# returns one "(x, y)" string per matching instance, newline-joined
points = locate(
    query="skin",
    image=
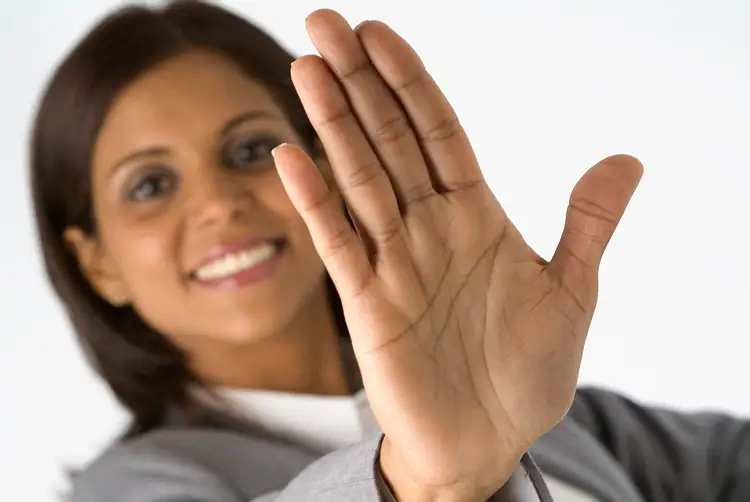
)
(469, 343)
(160, 213)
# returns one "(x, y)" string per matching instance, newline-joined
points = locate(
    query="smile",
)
(237, 267)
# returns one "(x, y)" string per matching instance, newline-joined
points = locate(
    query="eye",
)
(151, 186)
(253, 153)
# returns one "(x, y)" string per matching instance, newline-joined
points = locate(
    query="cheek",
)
(147, 258)
(146, 254)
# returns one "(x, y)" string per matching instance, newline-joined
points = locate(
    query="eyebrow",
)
(158, 151)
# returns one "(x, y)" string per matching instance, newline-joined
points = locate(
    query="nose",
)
(218, 198)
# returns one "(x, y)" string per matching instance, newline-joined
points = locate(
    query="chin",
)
(242, 334)
(256, 323)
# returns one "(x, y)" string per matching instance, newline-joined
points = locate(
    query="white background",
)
(545, 91)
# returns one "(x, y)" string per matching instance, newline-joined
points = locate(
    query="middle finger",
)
(381, 116)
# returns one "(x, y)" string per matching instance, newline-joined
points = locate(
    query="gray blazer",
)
(608, 446)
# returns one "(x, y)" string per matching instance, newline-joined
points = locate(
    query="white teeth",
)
(230, 264)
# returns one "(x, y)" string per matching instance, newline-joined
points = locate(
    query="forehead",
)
(187, 96)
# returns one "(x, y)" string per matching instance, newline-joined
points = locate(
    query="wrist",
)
(406, 488)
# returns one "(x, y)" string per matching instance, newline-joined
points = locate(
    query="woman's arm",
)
(146, 471)
(670, 455)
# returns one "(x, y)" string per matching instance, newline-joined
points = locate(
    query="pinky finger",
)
(337, 243)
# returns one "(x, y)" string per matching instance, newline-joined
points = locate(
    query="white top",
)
(328, 423)
(320, 423)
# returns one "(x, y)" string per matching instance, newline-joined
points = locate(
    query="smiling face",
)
(195, 230)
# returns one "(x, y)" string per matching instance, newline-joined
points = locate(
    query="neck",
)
(305, 359)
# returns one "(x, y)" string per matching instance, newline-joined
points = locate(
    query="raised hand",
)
(469, 343)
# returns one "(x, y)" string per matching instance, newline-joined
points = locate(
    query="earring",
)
(117, 301)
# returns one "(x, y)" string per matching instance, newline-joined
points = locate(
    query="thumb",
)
(596, 206)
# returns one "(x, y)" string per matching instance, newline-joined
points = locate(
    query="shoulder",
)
(177, 464)
(150, 467)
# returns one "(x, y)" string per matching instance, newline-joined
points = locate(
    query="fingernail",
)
(273, 150)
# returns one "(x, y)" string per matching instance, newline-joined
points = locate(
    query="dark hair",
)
(146, 372)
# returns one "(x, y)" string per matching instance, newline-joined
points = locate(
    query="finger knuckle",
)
(412, 83)
(445, 129)
(388, 233)
(593, 210)
(419, 192)
(338, 241)
(341, 117)
(360, 70)
(363, 174)
(391, 131)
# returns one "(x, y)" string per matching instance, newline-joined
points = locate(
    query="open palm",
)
(469, 343)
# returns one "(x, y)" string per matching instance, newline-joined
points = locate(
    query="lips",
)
(238, 264)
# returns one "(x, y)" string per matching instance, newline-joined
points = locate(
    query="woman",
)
(189, 190)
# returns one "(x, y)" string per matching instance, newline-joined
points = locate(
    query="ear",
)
(97, 266)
